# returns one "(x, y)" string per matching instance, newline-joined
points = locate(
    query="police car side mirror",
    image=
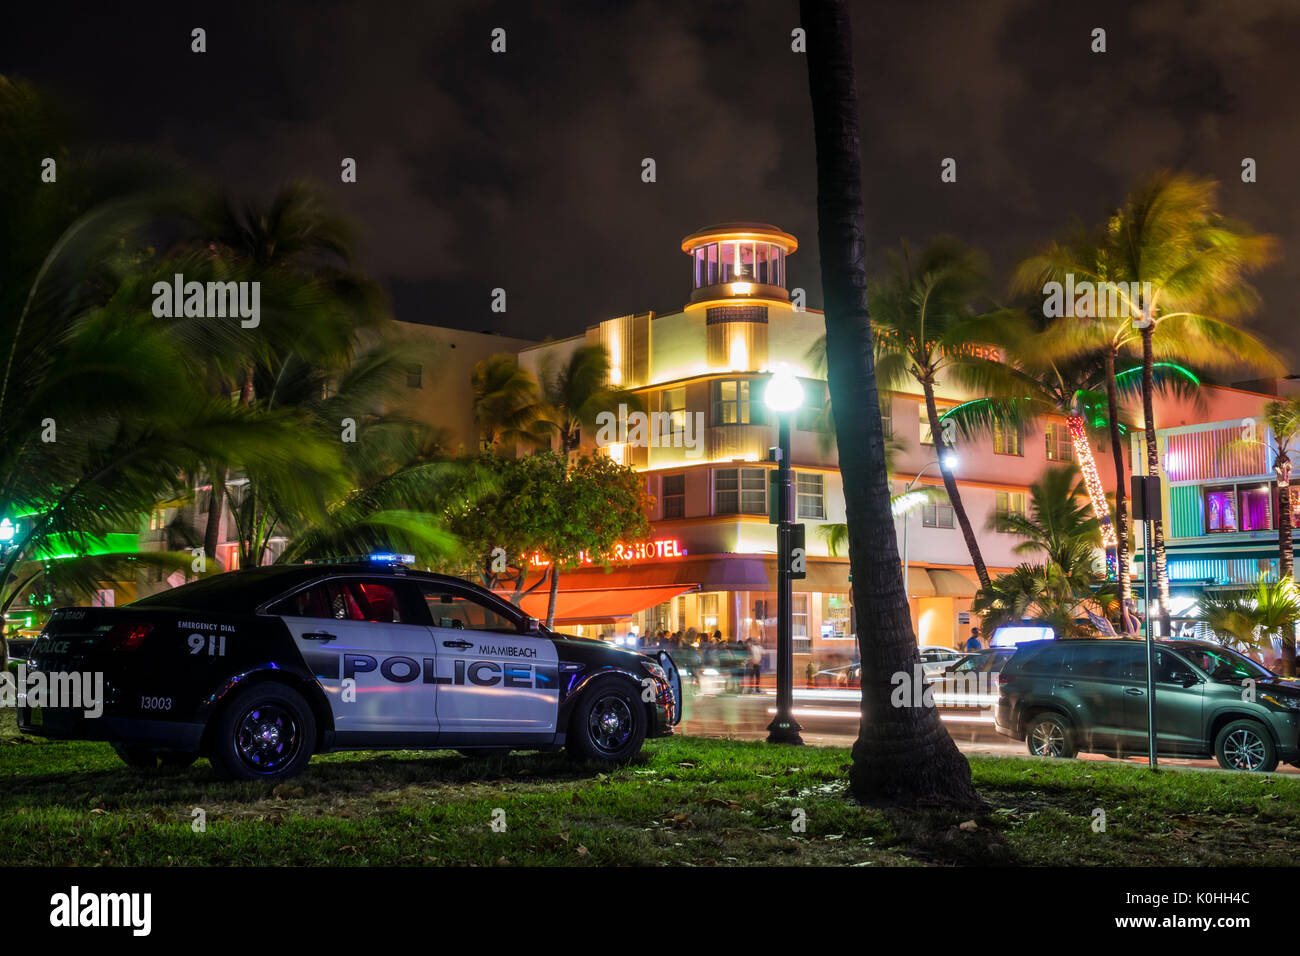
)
(530, 624)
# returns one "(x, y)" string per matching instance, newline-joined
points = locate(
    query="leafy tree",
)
(575, 392)
(561, 516)
(903, 755)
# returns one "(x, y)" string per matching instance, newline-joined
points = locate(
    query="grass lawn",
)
(688, 801)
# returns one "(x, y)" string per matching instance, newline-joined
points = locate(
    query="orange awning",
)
(597, 605)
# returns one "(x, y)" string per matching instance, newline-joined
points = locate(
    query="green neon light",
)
(1176, 367)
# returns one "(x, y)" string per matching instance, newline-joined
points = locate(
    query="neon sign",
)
(651, 549)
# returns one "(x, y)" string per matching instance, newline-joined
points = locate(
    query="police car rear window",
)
(237, 591)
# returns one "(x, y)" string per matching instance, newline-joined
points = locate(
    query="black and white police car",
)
(259, 669)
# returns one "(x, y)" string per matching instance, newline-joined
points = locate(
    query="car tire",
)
(475, 752)
(1245, 745)
(1050, 735)
(608, 723)
(265, 732)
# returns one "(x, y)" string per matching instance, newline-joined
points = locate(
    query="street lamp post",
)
(951, 461)
(784, 395)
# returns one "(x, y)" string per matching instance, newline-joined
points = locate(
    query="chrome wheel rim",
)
(1244, 750)
(1047, 739)
(267, 738)
(610, 723)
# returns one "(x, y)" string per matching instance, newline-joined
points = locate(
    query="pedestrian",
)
(973, 642)
(755, 662)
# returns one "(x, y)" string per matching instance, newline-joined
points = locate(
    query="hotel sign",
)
(634, 552)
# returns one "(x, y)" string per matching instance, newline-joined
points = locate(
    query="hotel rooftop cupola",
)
(739, 260)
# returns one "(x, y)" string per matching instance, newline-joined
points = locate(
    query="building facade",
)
(700, 373)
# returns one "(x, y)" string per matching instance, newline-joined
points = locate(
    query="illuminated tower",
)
(738, 269)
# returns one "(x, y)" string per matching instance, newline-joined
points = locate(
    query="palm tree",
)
(1044, 386)
(75, 327)
(1178, 270)
(302, 254)
(1252, 617)
(507, 404)
(903, 755)
(1057, 517)
(1283, 421)
(925, 329)
(1058, 523)
(574, 392)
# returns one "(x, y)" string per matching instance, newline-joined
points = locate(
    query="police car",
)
(259, 669)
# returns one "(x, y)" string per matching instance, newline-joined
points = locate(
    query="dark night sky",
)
(523, 170)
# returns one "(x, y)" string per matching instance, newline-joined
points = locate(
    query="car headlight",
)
(1289, 703)
(655, 671)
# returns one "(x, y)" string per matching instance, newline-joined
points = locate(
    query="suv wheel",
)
(608, 723)
(1245, 745)
(265, 733)
(1050, 735)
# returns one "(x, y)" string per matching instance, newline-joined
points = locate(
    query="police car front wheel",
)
(609, 722)
(265, 732)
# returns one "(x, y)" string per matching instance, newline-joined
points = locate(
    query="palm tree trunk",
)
(903, 755)
(950, 485)
(216, 502)
(1122, 564)
(1286, 551)
(555, 592)
(1153, 468)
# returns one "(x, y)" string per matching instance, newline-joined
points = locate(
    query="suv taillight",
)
(128, 637)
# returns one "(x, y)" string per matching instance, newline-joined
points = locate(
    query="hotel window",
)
(674, 408)
(1007, 440)
(673, 496)
(1059, 446)
(709, 612)
(1221, 510)
(1009, 503)
(927, 437)
(835, 617)
(887, 415)
(810, 495)
(799, 624)
(157, 519)
(731, 405)
(1257, 509)
(415, 376)
(809, 416)
(936, 514)
(740, 491)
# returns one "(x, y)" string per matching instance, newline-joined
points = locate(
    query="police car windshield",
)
(237, 591)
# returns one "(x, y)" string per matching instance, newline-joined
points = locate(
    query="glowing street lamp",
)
(784, 396)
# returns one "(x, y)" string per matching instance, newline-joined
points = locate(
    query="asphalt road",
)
(829, 719)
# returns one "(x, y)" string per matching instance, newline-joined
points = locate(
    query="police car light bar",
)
(386, 557)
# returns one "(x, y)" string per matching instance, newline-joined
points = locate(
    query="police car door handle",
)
(318, 636)
(461, 644)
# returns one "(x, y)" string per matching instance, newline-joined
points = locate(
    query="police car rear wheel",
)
(609, 722)
(266, 732)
